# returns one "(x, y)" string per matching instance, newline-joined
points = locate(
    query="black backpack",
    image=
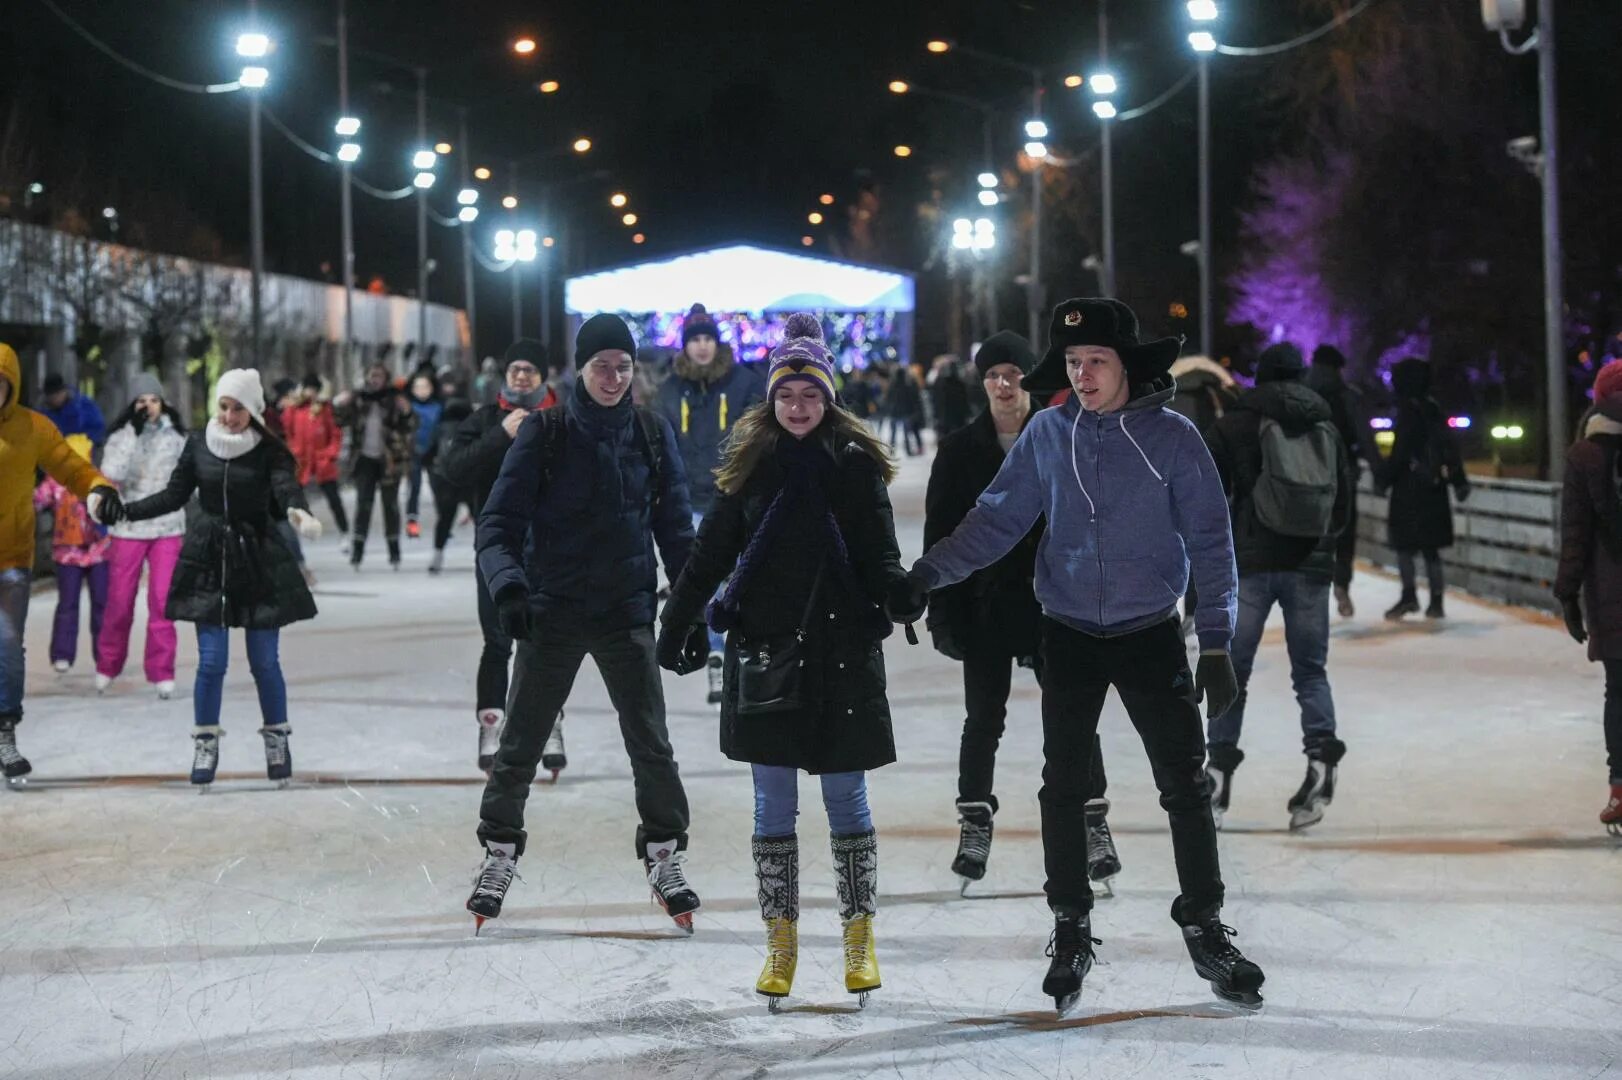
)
(555, 439)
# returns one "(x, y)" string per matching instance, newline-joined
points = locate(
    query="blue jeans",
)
(718, 642)
(777, 801)
(14, 587)
(214, 652)
(1305, 603)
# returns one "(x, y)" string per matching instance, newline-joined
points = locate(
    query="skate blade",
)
(1615, 829)
(1106, 887)
(863, 995)
(1245, 999)
(478, 924)
(685, 921)
(1305, 819)
(1064, 1005)
(774, 1002)
(16, 783)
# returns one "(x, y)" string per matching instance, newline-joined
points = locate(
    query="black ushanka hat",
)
(1106, 323)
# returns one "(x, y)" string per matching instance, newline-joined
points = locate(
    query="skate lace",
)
(1221, 950)
(780, 948)
(275, 748)
(974, 840)
(9, 754)
(1067, 938)
(206, 754)
(495, 876)
(856, 942)
(1099, 840)
(667, 876)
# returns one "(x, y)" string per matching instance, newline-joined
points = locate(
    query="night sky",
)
(721, 121)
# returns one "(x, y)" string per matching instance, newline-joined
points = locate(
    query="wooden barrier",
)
(1507, 539)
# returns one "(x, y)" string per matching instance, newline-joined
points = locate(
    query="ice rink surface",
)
(1455, 914)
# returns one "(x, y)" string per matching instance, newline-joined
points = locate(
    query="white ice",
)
(1455, 915)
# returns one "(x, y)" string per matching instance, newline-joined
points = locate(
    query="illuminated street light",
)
(806, 241)
(638, 239)
(468, 214)
(1202, 10)
(814, 218)
(109, 213)
(252, 46)
(424, 180)
(1202, 41)
(524, 46)
(347, 127)
(988, 180)
(509, 202)
(937, 46)
(1104, 110)
(424, 159)
(550, 86)
(442, 148)
(481, 173)
(1073, 81)
(1036, 129)
(903, 151)
(467, 196)
(617, 200)
(1103, 83)
(349, 153)
(1036, 150)
(826, 200)
(628, 219)
(581, 145)
(988, 198)
(547, 241)
(254, 78)
(898, 86)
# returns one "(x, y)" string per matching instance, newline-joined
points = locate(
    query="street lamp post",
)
(1553, 272)
(422, 220)
(467, 243)
(347, 194)
(254, 46)
(1204, 44)
(1105, 85)
(518, 299)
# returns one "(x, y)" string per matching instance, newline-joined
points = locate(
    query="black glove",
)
(1573, 612)
(512, 611)
(946, 641)
(682, 650)
(906, 599)
(111, 508)
(1215, 683)
(1462, 493)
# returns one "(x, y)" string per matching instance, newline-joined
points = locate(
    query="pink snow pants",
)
(113, 647)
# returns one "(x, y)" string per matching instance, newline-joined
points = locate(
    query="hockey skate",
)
(205, 758)
(166, 689)
(1071, 948)
(777, 881)
(1318, 789)
(973, 843)
(15, 766)
(1216, 960)
(669, 883)
(856, 878)
(278, 755)
(490, 884)
(490, 722)
(1103, 862)
(1219, 769)
(716, 669)
(1610, 817)
(553, 756)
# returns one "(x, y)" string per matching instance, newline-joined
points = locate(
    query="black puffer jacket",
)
(1424, 463)
(1236, 447)
(702, 412)
(995, 610)
(254, 580)
(848, 727)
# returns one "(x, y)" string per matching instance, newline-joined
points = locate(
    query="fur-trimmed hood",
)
(714, 371)
(1189, 369)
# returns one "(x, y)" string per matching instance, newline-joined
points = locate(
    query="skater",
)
(235, 569)
(79, 553)
(429, 407)
(705, 396)
(991, 621)
(315, 439)
(905, 405)
(1132, 499)
(142, 451)
(72, 412)
(802, 531)
(1424, 463)
(470, 462)
(566, 541)
(1284, 468)
(1326, 378)
(382, 427)
(448, 497)
(1588, 583)
(30, 442)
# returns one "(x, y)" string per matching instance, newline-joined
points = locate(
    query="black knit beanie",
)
(599, 333)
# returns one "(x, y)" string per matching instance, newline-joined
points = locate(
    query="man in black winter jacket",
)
(469, 459)
(566, 543)
(992, 619)
(1326, 378)
(1276, 423)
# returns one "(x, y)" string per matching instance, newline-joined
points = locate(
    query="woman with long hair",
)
(382, 428)
(802, 531)
(235, 570)
(143, 448)
(315, 439)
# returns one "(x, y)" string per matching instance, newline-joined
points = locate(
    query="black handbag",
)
(771, 679)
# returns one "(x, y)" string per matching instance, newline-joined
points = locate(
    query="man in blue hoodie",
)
(71, 411)
(1132, 502)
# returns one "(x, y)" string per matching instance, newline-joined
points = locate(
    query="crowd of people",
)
(1107, 501)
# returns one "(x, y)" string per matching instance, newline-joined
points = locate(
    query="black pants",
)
(1346, 549)
(987, 680)
(491, 682)
(1613, 718)
(542, 679)
(1149, 669)
(369, 476)
(1434, 574)
(335, 503)
(447, 500)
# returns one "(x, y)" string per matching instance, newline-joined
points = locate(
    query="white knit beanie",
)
(243, 385)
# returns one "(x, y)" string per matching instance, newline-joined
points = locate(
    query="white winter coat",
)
(140, 465)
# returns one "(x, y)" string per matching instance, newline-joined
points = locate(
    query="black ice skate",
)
(669, 883)
(1318, 789)
(1071, 948)
(553, 756)
(16, 766)
(205, 758)
(1216, 960)
(1103, 863)
(1219, 770)
(278, 755)
(716, 669)
(973, 842)
(490, 884)
(489, 737)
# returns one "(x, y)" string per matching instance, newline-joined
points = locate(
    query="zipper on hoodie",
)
(1098, 533)
(225, 496)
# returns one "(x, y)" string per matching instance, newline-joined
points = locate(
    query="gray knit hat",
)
(145, 383)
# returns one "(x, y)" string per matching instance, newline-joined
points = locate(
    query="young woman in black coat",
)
(802, 524)
(235, 569)
(1424, 463)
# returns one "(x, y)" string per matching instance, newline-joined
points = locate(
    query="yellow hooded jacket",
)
(29, 441)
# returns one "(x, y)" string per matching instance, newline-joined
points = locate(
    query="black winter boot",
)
(1435, 611)
(1408, 605)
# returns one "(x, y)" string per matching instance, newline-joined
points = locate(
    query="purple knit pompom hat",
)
(802, 355)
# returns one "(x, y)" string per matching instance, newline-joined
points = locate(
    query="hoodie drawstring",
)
(1135, 445)
(1092, 509)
